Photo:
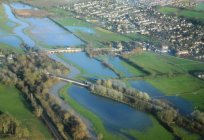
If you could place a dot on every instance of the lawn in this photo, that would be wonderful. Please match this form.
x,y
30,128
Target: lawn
x,y
199,15
12,102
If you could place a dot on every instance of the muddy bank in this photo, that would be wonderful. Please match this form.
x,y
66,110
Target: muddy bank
x,y
31,13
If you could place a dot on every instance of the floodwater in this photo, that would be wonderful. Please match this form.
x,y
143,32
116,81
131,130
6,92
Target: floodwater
x,y
115,116
81,29
46,32
21,6
10,40
19,30
183,105
91,66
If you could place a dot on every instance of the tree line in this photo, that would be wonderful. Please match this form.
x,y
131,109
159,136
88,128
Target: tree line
x,y
10,126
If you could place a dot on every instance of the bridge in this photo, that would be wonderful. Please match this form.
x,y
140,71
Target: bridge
x,y
64,50
69,80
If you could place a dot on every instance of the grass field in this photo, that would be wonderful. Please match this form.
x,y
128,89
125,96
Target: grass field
x,y
156,63
183,84
185,135
10,48
12,102
199,15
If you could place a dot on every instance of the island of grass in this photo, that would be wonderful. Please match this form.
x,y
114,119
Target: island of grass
x,y
11,101
192,14
171,75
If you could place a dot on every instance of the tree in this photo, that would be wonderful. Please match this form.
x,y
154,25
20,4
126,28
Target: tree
x,y
9,126
100,136
199,116
167,115
38,111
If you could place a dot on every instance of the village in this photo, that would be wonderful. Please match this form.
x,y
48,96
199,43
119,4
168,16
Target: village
x,y
174,33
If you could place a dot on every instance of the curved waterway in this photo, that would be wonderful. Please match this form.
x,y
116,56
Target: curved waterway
x,y
21,26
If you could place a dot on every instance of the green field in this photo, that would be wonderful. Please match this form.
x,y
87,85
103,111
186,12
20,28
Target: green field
x,y
10,48
199,15
12,102
156,63
185,135
171,83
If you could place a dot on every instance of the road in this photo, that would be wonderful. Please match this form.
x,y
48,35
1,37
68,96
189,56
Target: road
x,y
51,127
